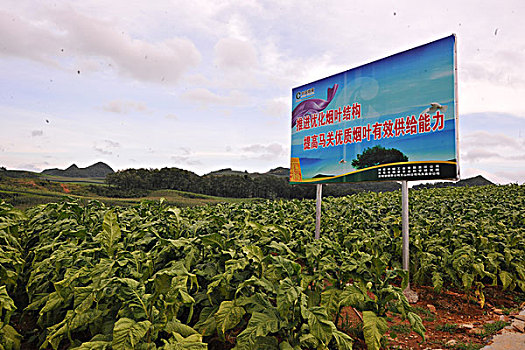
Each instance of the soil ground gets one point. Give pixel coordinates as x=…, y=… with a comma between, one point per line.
x=452, y=319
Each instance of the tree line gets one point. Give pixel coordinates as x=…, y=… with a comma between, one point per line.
x=137, y=182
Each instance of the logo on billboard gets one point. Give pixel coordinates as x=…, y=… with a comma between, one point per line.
x=305, y=93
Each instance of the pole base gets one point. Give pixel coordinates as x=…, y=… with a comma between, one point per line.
x=411, y=295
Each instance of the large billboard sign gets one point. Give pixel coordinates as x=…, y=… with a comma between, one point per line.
x=392, y=119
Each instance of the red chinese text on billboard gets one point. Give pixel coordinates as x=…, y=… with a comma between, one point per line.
x=387, y=129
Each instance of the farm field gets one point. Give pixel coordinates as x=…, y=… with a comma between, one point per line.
x=27, y=192
x=86, y=275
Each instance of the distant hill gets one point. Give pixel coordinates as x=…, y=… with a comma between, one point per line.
x=17, y=173
x=472, y=181
x=227, y=171
x=279, y=171
x=99, y=169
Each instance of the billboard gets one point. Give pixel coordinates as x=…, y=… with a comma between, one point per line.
x=392, y=119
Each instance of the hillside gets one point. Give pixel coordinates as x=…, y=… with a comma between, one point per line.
x=99, y=169
x=471, y=181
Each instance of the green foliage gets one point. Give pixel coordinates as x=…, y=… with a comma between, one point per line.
x=493, y=328
x=447, y=327
x=127, y=333
x=246, y=275
x=138, y=182
x=373, y=328
x=11, y=264
x=378, y=155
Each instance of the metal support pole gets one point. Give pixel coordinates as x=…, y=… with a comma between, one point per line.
x=318, y=211
x=404, y=218
x=411, y=295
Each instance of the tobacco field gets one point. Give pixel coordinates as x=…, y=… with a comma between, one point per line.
x=239, y=276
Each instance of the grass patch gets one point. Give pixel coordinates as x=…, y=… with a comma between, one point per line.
x=75, y=180
x=493, y=328
x=425, y=314
x=447, y=327
x=23, y=193
x=400, y=328
x=467, y=346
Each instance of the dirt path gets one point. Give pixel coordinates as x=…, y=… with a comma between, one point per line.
x=512, y=336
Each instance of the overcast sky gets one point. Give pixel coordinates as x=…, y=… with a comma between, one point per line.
x=205, y=85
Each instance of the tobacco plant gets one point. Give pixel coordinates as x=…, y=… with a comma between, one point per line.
x=247, y=275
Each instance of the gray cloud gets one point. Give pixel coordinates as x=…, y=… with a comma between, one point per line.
x=477, y=155
x=112, y=144
x=263, y=152
x=517, y=175
x=185, y=156
x=481, y=146
x=106, y=147
x=276, y=107
x=124, y=107
x=102, y=151
x=205, y=97
x=490, y=139
x=82, y=37
x=29, y=166
x=231, y=53
x=37, y=133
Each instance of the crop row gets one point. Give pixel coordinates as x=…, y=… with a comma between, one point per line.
x=245, y=276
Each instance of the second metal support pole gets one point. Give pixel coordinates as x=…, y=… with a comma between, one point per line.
x=318, y=211
x=411, y=295
x=404, y=219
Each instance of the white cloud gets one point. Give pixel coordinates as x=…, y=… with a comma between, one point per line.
x=185, y=156
x=482, y=146
x=106, y=147
x=204, y=97
x=30, y=167
x=278, y=107
x=271, y=151
x=124, y=107
x=235, y=54
x=497, y=177
x=64, y=38
x=37, y=133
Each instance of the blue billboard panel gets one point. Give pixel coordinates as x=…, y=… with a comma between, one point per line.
x=392, y=119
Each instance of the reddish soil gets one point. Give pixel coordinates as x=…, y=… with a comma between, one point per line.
x=452, y=320
x=64, y=187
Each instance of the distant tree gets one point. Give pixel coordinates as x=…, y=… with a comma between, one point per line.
x=378, y=155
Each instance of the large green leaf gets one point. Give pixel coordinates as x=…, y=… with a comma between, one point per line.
x=94, y=345
x=128, y=333
x=228, y=316
x=9, y=337
x=506, y=278
x=467, y=279
x=260, y=325
x=320, y=326
x=437, y=281
x=7, y=305
x=110, y=234
x=184, y=337
x=330, y=300
x=287, y=294
x=343, y=340
x=374, y=328
x=417, y=324
x=175, y=326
